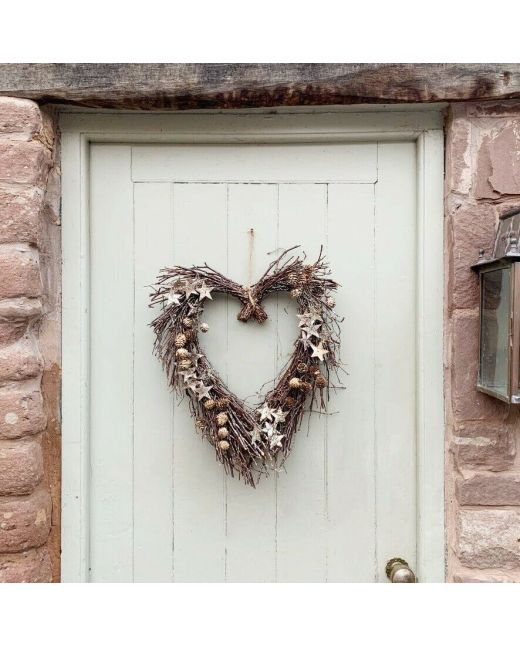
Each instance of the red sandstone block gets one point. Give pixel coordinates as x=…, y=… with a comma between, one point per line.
x=22, y=162
x=19, y=272
x=11, y=331
x=19, y=361
x=21, y=467
x=467, y=403
x=20, y=219
x=32, y=566
x=21, y=307
x=19, y=116
x=498, y=168
x=484, y=446
x=458, y=153
x=509, y=108
x=492, y=489
x=482, y=576
x=21, y=413
x=470, y=228
x=489, y=538
x=25, y=522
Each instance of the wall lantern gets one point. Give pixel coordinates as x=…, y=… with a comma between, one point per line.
x=499, y=353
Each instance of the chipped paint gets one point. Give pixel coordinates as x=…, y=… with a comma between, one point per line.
x=473, y=441
x=41, y=517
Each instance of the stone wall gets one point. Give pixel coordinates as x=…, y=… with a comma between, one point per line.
x=483, y=469
x=29, y=343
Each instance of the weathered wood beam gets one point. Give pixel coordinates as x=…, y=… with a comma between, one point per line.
x=204, y=86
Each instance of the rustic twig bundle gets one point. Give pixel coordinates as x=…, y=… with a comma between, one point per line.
x=248, y=441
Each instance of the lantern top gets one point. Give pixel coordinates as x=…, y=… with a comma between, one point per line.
x=507, y=242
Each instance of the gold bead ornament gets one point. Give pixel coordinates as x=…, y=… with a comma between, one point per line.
x=295, y=383
x=185, y=364
x=223, y=445
x=222, y=433
x=182, y=353
x=209, y=404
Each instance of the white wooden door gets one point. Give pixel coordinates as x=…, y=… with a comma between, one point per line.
x=160, y=507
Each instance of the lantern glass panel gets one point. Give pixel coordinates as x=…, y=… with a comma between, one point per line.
x=495, y=330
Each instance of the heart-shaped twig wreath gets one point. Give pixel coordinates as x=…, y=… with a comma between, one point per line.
x=248, y=441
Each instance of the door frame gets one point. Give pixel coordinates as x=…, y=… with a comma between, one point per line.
x=378, y=123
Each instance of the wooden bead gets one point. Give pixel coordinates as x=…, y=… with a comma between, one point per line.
x=222, y=403
x=180, y=340
x=222, y=419
x=321, y=382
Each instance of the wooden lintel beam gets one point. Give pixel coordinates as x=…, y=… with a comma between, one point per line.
x=206, y=86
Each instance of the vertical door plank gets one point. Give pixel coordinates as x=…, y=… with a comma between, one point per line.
x=251, y=513
x=350, y=439
x=112, y=283
x=199, y=236
x=395, y=341
x=301, y=502
x=153, y=403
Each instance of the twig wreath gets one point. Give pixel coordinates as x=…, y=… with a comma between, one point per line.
x=248, y=441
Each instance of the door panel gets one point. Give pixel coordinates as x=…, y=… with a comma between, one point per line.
x=301, y=492
x=153, y=407
x=160, y=505
x=266, y=163
x=351, y=432
x=112, y=367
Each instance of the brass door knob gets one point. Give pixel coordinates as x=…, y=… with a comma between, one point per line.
x=398, y=571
